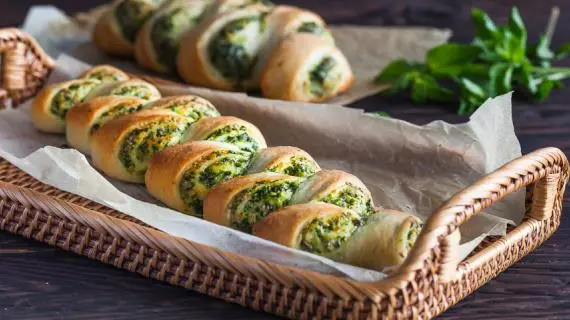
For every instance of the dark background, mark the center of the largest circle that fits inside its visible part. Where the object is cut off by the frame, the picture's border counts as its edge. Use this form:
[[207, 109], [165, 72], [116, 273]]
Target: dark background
[[39, 282]]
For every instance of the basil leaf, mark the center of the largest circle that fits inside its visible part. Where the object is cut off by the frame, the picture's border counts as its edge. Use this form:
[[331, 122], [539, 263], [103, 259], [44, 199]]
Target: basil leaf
[[485, 28], [540, 53], [511, 48], [425, 88], [516, 24], [472, 88], [500, 77], [563, 51], [527, 80], [450, 58], [544, 89], [477, 71], [395, 70]]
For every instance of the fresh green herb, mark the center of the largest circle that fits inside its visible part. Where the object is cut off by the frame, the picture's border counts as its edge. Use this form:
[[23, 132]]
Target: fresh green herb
[[497, 61], [382, 114]]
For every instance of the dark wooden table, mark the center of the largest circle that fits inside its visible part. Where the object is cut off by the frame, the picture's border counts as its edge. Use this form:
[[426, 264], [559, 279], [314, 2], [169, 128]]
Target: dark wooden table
[[40, 282]]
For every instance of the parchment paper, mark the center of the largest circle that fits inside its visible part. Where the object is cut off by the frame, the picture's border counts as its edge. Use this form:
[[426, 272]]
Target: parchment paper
[[367, 49], [407, 167]]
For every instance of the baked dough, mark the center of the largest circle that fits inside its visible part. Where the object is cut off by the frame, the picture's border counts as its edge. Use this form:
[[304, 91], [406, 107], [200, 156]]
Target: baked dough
[[287, 160], [192, 107], [241, 202], [130, 88], [87, 117], [105, 73], [182, 175], [236, 131], [123, 146], [305, 67], [337, 187], [53, 101]]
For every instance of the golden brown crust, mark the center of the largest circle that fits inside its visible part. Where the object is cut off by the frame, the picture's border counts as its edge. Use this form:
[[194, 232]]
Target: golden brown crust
[[218, 200], [202, 128], [273, 156], [80, 119], [106, 142], [166, 102], [108, 69], [288, 68], [323, 183], [107, 88], [383, 241], [109, 38], [42, 117], [193, 63], [166, 168], [284, 226]]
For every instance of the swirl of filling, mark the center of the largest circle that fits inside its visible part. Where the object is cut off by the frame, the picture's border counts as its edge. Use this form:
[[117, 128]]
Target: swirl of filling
[[115, 111], [191, 107], [168, 29], [339, 188], [137, 90], [243, 201], [230, 130], [71, 95], [105, 73], [131, 15], [286, 160], [208, 171], [326, 235], [233, 51], [322, 78], [142, 142]]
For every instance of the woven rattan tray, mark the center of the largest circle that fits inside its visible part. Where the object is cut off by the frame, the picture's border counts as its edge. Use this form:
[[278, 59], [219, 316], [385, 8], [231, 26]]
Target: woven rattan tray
[[428, 283]]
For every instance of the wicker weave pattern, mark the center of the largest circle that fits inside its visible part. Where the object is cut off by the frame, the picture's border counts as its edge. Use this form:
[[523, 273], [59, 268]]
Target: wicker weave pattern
[[25, 67], [430, 281]]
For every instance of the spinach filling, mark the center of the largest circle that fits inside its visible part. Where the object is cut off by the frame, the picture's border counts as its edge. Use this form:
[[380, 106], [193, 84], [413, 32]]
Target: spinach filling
[[131, 15], [235, 134], [208, 172], [104, 76], [351, 197], [67, 97], [228, 52], [114, 112], [141, 143], [324, 236], [256, 202], [135, 90], [321, 79], [413, 234], [193, 109], [167, 31], [297, 167], [311, 27]]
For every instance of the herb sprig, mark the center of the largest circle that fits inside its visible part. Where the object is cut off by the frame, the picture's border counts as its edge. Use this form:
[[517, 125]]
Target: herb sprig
[[497, 61]]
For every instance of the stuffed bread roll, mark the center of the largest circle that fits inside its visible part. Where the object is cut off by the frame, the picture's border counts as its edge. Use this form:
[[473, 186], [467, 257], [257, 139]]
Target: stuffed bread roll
[[105, 73], [182, 175], [336, 187], [285, 20], [52, 103], [236, 131], [305, 67], [384, 241], [87, 117], [319, 228], [117, 28], [158, 40], [123, 146], [222, 53], [287, 160], [221, 6], [192, 107], [241, 202], [130, 88]]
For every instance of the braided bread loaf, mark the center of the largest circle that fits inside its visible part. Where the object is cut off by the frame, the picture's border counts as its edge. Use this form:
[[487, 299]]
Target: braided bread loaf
[[219, 168], [286, 52]]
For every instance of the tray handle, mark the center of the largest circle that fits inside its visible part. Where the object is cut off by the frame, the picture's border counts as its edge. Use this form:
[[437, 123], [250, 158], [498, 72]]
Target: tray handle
[[438, 245], [24, 67]]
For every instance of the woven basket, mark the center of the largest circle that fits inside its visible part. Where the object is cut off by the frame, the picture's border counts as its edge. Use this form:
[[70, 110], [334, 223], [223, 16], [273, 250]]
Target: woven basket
[[429, 282]]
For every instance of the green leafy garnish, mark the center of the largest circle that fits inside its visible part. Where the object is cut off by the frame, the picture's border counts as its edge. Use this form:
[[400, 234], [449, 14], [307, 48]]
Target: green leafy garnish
[[497, 61]]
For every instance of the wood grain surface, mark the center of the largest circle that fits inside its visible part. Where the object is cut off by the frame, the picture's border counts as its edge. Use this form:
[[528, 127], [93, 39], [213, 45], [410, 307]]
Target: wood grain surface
[[40, 282]]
